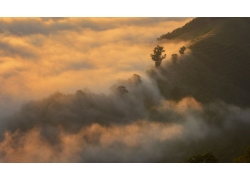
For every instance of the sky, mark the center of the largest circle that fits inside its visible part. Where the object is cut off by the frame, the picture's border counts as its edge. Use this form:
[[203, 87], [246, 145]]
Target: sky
[[8, 100], [57, 104], [40, 56], [12, 98]]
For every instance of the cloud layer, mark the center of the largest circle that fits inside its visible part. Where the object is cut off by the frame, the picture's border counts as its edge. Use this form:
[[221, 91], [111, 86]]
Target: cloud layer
[[139, 126], [42, 55], [48, 62]]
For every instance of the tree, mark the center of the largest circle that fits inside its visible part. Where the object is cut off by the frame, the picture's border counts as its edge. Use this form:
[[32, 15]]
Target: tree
[[182, 50], [135, 80], [208, 157], [157, 56], [120, 90], [174, 58], [79, 93], [151, 73]]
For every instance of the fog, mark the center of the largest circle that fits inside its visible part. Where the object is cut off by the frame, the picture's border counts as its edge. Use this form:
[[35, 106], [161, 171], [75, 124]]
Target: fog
[[80, 90], [40, 56], [138, 126]]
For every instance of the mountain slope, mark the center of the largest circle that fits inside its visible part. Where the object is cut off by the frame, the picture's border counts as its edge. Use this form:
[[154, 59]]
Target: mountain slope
[[218, 67]]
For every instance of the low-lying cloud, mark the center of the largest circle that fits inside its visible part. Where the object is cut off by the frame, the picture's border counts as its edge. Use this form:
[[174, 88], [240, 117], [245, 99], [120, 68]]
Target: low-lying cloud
[[139, 126], [42, 55], [129, 143], [97, 123]]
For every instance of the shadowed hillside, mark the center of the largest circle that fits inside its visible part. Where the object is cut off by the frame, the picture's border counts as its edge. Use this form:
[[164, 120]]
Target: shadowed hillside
[[192, 108], [218, 67]]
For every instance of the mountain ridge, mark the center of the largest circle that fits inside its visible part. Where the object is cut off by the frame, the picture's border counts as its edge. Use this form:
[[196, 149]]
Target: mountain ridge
[[219, 47]]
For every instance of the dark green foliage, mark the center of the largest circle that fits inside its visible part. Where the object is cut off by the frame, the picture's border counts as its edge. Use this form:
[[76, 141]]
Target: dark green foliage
[[208, 157], [157, 56], [182, 50], [174, 58], [245, 158]]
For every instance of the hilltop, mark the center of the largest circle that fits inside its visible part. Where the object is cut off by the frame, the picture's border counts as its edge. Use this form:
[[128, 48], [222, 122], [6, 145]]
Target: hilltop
[[219, 63]]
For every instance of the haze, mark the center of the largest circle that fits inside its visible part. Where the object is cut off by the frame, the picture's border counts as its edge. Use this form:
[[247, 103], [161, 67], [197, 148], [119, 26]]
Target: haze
[[40, 56], [86, 90]]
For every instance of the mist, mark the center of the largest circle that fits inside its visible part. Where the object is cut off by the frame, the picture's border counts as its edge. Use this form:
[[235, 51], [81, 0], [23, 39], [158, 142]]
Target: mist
[[139, 126], [86, 90], [40, 56]]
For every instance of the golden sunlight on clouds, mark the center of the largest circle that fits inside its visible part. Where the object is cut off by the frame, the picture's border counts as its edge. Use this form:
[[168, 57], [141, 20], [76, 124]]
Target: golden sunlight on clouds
[[42, 55], [95, 140]]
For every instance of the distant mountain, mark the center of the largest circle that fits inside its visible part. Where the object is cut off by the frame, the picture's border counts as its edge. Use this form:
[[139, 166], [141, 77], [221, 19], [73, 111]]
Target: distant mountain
[[219, 65]]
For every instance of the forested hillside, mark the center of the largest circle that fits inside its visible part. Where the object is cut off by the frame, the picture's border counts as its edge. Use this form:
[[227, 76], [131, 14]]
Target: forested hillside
[[218, 65]]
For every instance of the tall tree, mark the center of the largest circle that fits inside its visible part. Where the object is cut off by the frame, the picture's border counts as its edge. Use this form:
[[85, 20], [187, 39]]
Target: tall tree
[[157, 56]]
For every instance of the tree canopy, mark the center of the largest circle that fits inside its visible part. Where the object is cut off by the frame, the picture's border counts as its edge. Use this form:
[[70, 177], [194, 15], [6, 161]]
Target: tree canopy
[[174, 58], [120, 90], [208, 157], [182, 50], [157, 56]]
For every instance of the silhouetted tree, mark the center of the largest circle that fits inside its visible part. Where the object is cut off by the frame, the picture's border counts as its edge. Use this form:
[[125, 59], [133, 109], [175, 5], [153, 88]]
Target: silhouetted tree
[[174, 58], [157, 56], [79, 93], [151, 73], [120, 90], [208, 157], [134, 80], [182, 50]]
